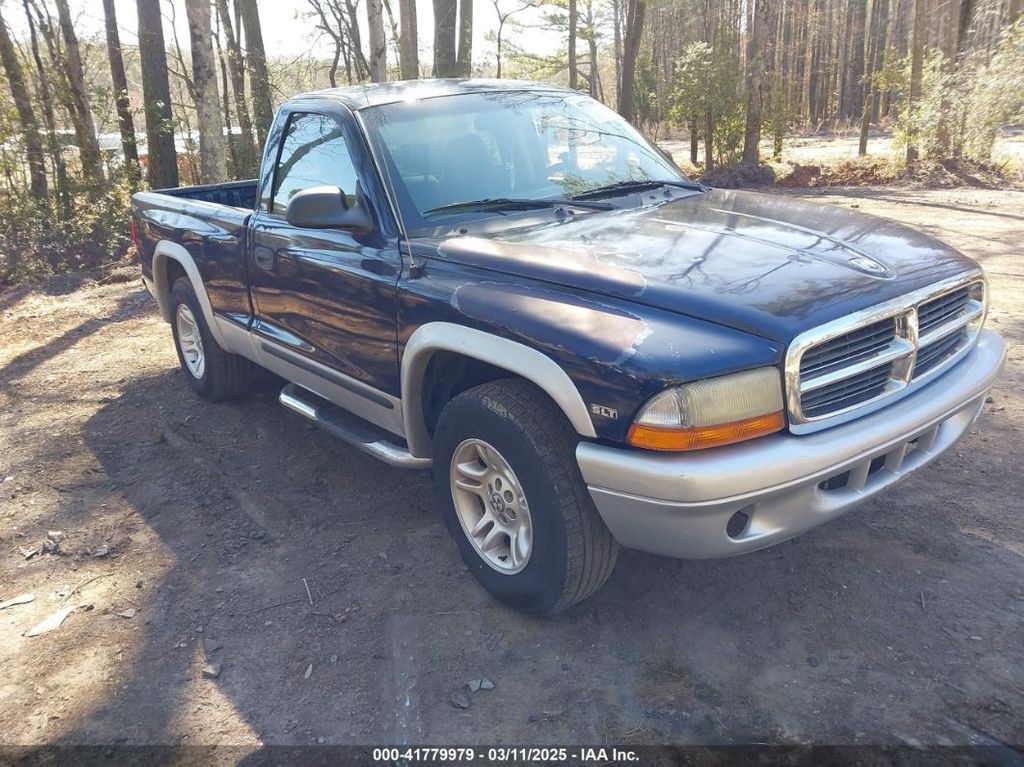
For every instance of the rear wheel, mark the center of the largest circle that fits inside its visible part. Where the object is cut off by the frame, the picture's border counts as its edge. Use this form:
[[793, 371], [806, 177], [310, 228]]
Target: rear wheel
[[212, 372], [513, 499]]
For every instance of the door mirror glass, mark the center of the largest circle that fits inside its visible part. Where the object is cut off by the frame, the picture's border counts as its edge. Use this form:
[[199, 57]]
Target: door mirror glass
[[326, 207]]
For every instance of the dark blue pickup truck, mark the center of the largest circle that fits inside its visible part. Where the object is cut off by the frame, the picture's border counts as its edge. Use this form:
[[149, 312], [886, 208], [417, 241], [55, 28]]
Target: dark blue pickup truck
[[507, 282]]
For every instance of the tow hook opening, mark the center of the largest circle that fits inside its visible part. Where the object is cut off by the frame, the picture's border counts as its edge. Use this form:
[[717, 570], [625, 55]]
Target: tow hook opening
[[739, 522]]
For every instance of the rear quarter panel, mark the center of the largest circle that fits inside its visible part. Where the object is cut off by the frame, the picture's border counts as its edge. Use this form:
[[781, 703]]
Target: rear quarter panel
[[214, 236]]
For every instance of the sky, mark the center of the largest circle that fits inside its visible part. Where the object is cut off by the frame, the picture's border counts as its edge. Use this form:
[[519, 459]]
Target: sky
[[287, 31]]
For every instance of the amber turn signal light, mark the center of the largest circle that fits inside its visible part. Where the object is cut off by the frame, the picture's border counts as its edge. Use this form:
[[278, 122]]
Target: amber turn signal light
[[701, 437]]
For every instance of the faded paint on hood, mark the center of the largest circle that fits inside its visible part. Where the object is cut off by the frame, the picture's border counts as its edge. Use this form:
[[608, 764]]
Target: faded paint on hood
[[765, 264]]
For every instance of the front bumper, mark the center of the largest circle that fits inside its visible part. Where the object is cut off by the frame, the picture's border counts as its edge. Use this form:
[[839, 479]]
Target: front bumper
[[775, 487]]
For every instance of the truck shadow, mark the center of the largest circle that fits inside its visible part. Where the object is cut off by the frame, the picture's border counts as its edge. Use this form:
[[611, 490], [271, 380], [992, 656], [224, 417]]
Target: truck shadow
[[859, 631]]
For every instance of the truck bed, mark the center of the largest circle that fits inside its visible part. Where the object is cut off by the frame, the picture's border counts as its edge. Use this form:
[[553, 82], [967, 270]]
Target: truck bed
[[209, 222], [235, 194]]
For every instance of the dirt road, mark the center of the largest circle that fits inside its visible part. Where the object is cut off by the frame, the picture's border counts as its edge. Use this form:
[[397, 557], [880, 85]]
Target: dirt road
[[191, 530]]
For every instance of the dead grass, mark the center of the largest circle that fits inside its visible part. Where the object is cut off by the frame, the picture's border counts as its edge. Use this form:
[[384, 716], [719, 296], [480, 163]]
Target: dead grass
[[885, 170]]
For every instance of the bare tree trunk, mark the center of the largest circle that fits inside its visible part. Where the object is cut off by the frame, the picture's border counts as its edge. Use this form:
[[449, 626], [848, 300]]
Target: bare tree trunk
[[497, 40], [408, 42], [378, 48], [594, 80], [893, 29], [709, 114], [574, 75], [118, 78], [248, 154], [853, 51], [183, 72], [809, 46], [362, 67], [26, 115], [225, 105], [346, 55], [836, 68], [963, 27], [948, 48], [88, 144], [823, 16], [876, 45], [916, 69], [878, 61], [709, 139], [332, 71], [865, 125], [755, 71], [213, 164], [785, 38], [693, 140], [162, 158], [392, 28], [259, 78], [617, 45], [465, 55], [631, 47], [60, 170], [445, 62]]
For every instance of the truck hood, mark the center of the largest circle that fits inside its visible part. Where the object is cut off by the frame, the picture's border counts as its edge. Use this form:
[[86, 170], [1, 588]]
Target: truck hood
[[765, 264]]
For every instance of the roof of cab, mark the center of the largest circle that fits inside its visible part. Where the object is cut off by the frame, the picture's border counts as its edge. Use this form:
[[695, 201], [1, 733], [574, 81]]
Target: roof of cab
[[374, 94]]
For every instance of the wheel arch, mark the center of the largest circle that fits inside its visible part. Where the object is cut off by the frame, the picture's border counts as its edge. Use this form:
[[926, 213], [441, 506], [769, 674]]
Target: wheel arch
[[166, 256], [517, 359]]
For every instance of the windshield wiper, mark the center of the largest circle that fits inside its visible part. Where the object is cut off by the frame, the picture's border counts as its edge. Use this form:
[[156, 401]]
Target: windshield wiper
[[498, 204], [623, 187]]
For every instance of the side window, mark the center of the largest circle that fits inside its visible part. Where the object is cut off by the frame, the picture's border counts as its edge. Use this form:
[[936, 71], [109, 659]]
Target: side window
[[313, 153]]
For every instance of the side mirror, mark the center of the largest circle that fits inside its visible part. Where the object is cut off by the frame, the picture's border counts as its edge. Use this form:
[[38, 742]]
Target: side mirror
[[325, 207]]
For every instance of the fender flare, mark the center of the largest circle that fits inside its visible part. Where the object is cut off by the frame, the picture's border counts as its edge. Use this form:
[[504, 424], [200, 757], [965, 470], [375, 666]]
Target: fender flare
[[509, 355], [166, 250]]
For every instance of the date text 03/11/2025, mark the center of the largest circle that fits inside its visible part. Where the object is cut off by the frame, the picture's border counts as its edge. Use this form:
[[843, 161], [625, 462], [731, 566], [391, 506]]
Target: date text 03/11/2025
[[504, 754]]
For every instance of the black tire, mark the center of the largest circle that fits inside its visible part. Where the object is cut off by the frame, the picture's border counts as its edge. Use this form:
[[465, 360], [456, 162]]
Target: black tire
[[573, 553], [225, 375]]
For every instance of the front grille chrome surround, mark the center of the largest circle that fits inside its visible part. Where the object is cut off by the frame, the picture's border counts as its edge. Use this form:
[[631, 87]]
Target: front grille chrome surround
[[868, 360]]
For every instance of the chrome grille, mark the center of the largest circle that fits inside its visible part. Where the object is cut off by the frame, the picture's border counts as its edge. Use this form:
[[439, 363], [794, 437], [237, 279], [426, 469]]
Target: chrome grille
[[935, 353], [862, 343], [933, 313], [847, 391], [849, 367]]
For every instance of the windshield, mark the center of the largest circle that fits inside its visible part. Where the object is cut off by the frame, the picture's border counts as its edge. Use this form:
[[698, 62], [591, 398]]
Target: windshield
[[505, 144]]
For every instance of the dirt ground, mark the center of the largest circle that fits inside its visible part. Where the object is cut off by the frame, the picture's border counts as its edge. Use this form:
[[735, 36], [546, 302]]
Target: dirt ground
[[191, 530]]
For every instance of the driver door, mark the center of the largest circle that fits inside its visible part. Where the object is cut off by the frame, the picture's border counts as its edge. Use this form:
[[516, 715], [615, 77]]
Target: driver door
[[325, 296]]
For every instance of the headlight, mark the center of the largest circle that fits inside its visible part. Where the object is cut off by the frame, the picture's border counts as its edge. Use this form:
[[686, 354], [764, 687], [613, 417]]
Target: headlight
[[716, 411]]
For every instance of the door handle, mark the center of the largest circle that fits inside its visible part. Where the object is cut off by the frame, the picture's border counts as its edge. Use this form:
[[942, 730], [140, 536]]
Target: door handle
[[264, 257]]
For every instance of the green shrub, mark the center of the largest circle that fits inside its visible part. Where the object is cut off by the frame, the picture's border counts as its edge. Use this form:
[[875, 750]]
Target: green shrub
[[37, 239], [997, 97], [706, 79], [971, 103]]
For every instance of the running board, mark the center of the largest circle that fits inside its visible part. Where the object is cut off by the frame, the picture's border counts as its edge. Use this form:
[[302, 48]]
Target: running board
[[336, 422]]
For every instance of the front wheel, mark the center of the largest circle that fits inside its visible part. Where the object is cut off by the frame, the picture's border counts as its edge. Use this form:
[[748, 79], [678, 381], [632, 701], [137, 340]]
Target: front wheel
[[513, 499]]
